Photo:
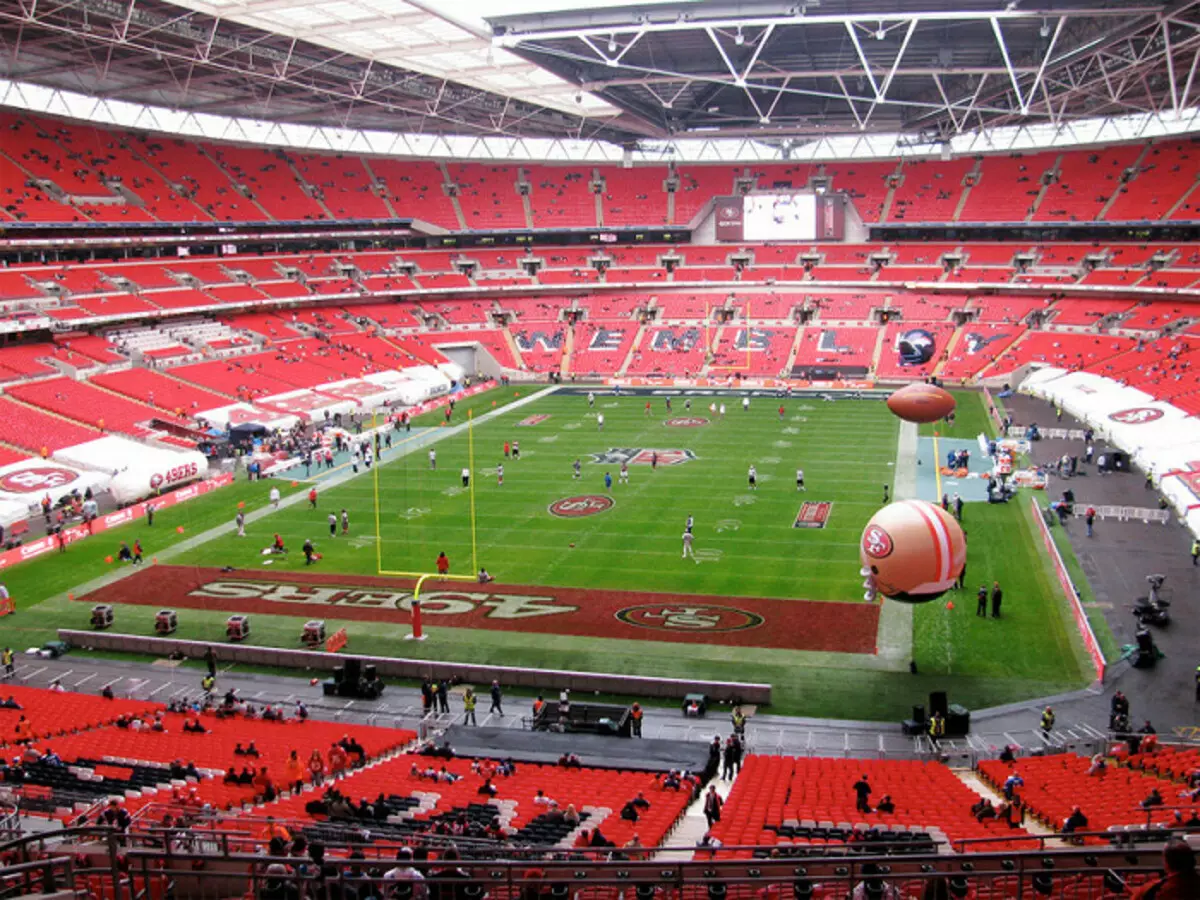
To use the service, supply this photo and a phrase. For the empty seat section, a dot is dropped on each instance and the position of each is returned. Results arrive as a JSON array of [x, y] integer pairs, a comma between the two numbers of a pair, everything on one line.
[[1005, 310], [21, 360], [675, 351], [846, 307], [699, 184], [977, 345], [343, 184], [865, 182], [1065, 350], [919, 307], [811, 800], [34, 430], [561, 196], [1007, 188], [1086, 181], [598, 794], [1056, 783], [161, 391], [1152, 315], [488, 195], [388, 315], [1086, 310], [837, 346], [51, 713], [634, 196], [541, 348], [269, 179], [238, 377], [415, 188], [86, 403], [929, 191], [24, 202], [193, 174], [601, 346], [687, 306], [758, 350]]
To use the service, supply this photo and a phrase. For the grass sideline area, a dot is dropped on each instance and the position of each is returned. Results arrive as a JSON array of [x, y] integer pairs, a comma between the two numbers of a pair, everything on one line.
[[847, 449]]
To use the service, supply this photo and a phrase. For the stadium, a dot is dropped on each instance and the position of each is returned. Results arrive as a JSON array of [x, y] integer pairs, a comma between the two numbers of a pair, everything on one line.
[[548, 449]]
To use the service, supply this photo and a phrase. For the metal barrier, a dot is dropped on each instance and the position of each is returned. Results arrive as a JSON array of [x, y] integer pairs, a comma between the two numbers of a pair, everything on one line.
[[416, 669]]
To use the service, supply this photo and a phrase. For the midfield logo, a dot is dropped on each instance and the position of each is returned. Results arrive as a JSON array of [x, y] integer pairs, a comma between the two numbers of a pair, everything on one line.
[[637, 456]]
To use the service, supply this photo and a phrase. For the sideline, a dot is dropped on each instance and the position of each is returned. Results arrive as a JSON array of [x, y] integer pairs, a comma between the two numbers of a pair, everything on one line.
[[416, 441], [895, 635]]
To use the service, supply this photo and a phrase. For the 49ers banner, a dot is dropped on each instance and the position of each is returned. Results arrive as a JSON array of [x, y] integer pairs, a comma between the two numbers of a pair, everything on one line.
[[27, 482], [42, 545]]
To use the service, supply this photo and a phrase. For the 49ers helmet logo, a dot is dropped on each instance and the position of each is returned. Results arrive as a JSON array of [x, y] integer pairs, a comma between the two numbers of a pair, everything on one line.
[[689, 617], [876, 542], [585, 505], [1138, 415], [27, 481], [638, 456]]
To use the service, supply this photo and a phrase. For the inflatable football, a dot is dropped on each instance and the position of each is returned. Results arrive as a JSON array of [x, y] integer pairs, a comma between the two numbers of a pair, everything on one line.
[[921, 403]]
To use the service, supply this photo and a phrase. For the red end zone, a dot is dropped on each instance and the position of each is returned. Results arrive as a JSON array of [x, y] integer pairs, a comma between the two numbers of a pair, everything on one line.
[[686, 618]]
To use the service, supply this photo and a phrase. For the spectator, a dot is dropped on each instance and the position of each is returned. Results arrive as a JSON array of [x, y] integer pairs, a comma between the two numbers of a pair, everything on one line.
[[1181, 881]]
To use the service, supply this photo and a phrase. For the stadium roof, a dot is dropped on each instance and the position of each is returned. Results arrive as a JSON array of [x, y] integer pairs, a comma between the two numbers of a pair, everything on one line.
[[777, 74]]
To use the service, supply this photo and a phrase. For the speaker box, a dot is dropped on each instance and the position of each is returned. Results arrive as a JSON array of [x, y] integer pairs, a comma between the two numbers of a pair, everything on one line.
[[912, 728], [918, 714], [370, 672], [353, 669], [938, 703], [958, 721], [339, 674], [1118, 461]]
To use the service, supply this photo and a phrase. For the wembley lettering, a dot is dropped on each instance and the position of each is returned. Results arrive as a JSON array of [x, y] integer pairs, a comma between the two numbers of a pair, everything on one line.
[[434, 603]]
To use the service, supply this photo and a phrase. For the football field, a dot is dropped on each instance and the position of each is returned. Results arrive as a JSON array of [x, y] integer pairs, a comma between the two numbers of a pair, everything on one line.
[[593, 577]]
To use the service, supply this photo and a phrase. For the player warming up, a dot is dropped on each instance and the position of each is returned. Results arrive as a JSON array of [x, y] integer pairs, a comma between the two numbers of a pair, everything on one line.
[[433, 459], [800, 480], [753, 478], [500, 475], [687, 545], [575, 465], [624, 477]]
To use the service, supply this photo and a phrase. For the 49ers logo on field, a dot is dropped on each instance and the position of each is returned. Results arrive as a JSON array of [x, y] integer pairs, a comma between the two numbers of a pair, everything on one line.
[[1138, 415], [585, 505], [686, 422], [876, 542], [689, 617], [27, 481], [637, 456]]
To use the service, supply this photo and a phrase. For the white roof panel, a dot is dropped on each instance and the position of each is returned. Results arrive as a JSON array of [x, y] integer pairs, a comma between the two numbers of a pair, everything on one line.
[[443, 38]]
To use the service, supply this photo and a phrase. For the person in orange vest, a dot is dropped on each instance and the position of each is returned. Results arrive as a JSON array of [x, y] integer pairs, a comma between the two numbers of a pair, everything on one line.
[[293, 772], [635, 716], [538, 705], [312, 498], [275, 829]]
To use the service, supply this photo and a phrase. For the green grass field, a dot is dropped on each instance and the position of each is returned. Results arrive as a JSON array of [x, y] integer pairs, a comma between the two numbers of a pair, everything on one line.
[[745, 539]]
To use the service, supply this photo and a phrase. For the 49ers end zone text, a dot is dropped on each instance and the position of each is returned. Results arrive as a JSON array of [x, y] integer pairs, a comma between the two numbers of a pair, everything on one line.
[[627, 615]]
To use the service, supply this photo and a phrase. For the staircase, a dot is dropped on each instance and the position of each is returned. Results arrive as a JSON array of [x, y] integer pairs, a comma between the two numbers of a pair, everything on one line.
[[985, 790], [309, 189], [875, 356], [692, 826], [446, 182], [516, 351], [794, 352], [526, 203], [1136, 166], [948, 351], [962, 198], [387, 201], [1182, 200], [565, 369], [1041, 194], [891, 194], [982, 373], [236, 186], [637, 340]]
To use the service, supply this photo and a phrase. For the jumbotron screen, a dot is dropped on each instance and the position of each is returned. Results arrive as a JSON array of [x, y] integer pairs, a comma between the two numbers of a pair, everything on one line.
[[779, 217]]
